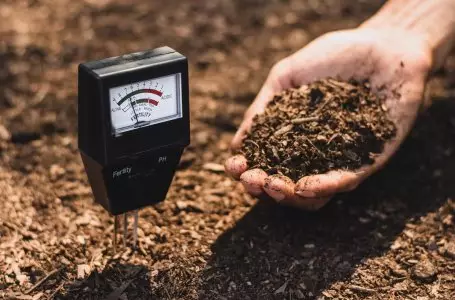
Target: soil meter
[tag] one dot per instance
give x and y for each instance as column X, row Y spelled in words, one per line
column 133, row 127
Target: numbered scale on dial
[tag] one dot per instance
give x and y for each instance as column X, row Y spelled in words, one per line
column 133, row 122
column 145, row 103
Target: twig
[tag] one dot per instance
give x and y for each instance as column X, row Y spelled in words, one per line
column 283, row 130
column 56, row 291
column 322, row 106
column 332, row 138
column 299, row 121
column 317, row 149
column 361, row 289
column 43, row 280
column 252, row 142
column 119, row 291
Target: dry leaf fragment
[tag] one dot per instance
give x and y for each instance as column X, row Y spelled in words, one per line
column 282, row 289
column 214, row 167
column 82, row 270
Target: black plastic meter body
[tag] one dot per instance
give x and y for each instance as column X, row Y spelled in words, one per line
column 133, row 126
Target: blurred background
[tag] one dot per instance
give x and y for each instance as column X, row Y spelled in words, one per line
column 208, row 240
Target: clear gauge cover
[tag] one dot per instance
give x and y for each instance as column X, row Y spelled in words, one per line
column 145, row 103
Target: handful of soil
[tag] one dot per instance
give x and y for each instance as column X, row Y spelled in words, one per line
column 323, row 126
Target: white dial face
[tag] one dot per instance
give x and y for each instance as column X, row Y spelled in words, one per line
column 145, row 103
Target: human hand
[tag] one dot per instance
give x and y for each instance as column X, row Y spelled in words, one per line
column 396, row 63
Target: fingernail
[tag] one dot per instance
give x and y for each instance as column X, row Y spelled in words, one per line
column 307, row 194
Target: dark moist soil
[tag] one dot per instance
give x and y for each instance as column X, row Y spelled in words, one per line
column 392, row 238
column 319, row 127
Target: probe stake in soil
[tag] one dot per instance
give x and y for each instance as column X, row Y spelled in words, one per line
column 135, row 161
column 125, row 228
column 135, row 224
column 115, row 233
column 117, row 225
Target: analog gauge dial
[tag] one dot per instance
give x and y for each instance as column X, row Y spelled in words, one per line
column 145, row 103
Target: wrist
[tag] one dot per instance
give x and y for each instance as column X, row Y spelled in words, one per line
column 430, row 22
column 412, row 44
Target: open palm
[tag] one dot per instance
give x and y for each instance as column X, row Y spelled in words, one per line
column 397, row 68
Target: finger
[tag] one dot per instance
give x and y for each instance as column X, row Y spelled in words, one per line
column 330, row 183
column 279, row 78
column 253, row 181
column 279, row 187
column 236, row 165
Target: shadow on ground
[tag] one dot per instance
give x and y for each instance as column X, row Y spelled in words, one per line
column 274, row 251
column 114, row 283
column 6, row 78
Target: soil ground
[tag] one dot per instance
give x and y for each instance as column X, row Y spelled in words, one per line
column 390, row 239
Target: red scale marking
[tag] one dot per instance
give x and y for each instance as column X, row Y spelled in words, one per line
column 154, row 102
column 156, row 92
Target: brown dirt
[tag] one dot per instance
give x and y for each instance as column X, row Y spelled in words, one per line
column 323, row 126
column 390, row 239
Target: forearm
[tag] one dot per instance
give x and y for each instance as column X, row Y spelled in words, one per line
column 432, row 20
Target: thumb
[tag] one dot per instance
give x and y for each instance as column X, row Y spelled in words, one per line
column 279, row 79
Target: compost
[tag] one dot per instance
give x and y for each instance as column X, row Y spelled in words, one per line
column 322, row 126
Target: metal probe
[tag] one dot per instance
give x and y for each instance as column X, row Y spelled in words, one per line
column 125, row 228
column 115, row 233
column 117, row 221
column 135, row 225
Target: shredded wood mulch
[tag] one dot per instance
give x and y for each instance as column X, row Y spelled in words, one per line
column 392, row 238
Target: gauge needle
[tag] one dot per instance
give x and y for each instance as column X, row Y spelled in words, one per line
column 134, row 110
